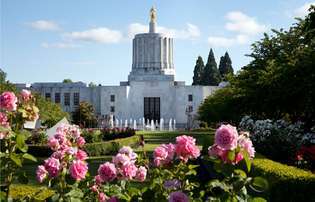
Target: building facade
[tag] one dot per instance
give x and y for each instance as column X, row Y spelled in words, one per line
column 151, row 91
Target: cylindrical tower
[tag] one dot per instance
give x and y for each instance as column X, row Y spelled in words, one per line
column 152, row 57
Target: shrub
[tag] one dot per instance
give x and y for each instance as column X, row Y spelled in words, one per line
column 287, row 183
column 109, row 147
column 37, row 138
column 111, row 134
column 37, row 193
column 91, row 135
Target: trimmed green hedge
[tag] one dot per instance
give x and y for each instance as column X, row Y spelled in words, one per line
column 38, row 193
column 286, row 183
column 93, row 149
column 110, row 147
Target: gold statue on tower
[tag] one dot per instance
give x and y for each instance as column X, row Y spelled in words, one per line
column 153, row 14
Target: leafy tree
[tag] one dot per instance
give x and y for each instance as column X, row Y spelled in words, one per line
column 5, row 85
column 91, row 84
column 198, row 71
column 211, row 75
column 84, row 115
column 280, row 79
column 225, row 66
column 67, row 81
column 50, row 113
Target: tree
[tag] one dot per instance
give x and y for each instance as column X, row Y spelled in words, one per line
column 198, row 71
column 67, row 81
column 92, row 85
column 84, row 115
column 5, row 85
column 49, row 113
column 225, row 66
column 280, row 79
column 211, row 75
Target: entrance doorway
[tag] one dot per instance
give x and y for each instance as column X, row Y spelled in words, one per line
column 152, row 108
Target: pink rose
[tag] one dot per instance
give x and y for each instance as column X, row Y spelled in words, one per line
column 52, row 165
column 8, row 101
column 53, row 143
column 245, row 143
column 41, row 174
column 58, row 154
column 98, row 179
column 226, row 137
column 4, row 123
column 107, row 172
column 78, row 169
column 128, row 171
column 71, row 150
column 238, row 157
column 80, row 141
column 113, row 199
column 215, row 151
column 26, row 95
column 178, row 196
column 128, row 152
column 141, row 174
column 94, row 188
column 163, row 154
column 81, row 155
column 102, row 197
column 121, row 159
column 186, row 148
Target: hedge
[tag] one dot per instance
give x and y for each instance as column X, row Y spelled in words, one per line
column 38, row 193
column 110, row 147
column 93, row 149
column 286, row 183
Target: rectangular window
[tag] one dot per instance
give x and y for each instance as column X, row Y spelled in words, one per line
column 57, row 97
column 76, row 99
column 190, row 97
column 48, row 96
column 112, row 98
column 112, row 109
column 67, row 99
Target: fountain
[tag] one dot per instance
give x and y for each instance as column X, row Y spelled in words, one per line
column 134, row 124
column 161, row 124
column 152, row 125
column 116, row 123
column 111, row 122
column 121, row 124
column 126, row 123
column 174, row 126
column 130, row 123
column 170, row 125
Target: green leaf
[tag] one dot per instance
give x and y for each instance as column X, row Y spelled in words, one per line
column 29, row 157
column 16, row 159
column 20, row 142
column 247, row 160
column 259, row 184
column 231, row 155
column 192, row 166
column 240, row 173
column 133, row 191
column 257, row 199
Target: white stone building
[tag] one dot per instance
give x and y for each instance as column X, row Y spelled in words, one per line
column 151, row 91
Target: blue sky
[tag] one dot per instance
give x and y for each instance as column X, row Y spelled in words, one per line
column 49, row 40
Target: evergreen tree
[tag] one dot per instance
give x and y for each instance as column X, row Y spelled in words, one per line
column 225, row 66
column 211, row 74
column 198, row 71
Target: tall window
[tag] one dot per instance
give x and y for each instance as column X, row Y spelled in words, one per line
column 190, row 97
column 67, row 99
column 76, row 99
column 57, row 97
column 48, row 96
column 112, row 98
column 112, row 109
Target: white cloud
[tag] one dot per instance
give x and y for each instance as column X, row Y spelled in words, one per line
column 218, row 41
column 44, row 25
column 99, row 35
column 241, row 23
column 190, row 32
column 303, row 10
column 59, row 45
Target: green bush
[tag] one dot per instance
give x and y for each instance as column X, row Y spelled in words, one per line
column 286, row 183
column 109, row 147
column 18, row 191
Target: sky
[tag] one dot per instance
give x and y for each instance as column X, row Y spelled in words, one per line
column 91, row 41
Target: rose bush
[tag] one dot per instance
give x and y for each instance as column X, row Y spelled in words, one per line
column 14, row 111
column 67, row 161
